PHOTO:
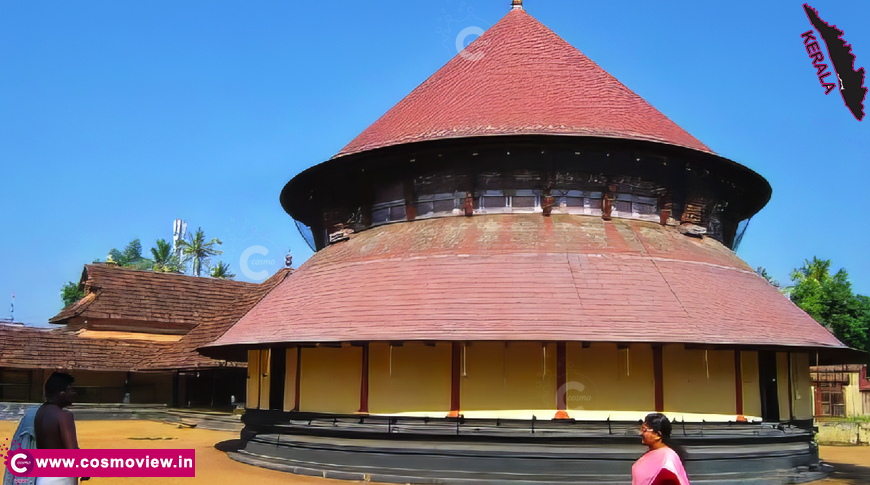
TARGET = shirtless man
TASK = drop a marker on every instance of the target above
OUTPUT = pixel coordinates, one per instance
(54, 426)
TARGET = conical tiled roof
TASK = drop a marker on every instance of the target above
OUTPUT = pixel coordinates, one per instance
(520, 78)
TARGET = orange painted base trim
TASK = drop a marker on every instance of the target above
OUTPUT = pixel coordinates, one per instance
(561, 415)
(453, 414)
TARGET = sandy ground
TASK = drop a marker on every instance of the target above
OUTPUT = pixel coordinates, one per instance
(851, 464)
(212, 466)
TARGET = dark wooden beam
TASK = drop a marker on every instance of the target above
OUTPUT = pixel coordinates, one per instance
(468, 204)
(561, 380)
(408, 188)
(790, 392)
(298, 377)
(658, 372)
(666, 206)
(738, 383)
(455, 380)
(607, 202)
(364, 381)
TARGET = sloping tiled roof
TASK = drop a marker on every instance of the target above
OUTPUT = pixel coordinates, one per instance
(75, 309)
(520, 78)
(145, 296)
(211, 303)
(38, 348)
(183, 354)
(518, 277)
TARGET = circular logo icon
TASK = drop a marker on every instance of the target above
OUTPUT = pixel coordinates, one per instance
(20, 463)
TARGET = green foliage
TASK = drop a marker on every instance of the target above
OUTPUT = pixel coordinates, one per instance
(763, 273)
(70, 293)
(162, 252)
(133, 251)
(131, 257)
(197, 251)
(164, 260)
(829, 300)
(222, 270)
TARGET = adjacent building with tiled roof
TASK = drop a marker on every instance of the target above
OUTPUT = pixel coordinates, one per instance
(133, 337)
(130, 300)
(182, 355)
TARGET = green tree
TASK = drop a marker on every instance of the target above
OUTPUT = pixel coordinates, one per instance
(131, 257)
(71, 293)
(222, 270)
(197, 251)
(763, 273)
(164, 259)
(862, 303)
(828, 298)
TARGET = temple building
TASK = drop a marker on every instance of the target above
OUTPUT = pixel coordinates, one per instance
(132, 339)
(514, 265)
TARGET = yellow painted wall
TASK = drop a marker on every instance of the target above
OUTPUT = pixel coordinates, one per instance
(782, 385)
(252, 400)
(331, 379)
(419, 382)
(501, 377)
(751, 386)
(605, 378)
(852, 396)
(688, 388)
(802, 393)
(290, 380)
(265, 377)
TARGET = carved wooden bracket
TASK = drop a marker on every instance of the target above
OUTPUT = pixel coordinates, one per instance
(607, 202)
(469, 204)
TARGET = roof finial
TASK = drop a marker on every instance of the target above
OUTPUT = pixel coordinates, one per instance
(517, 5)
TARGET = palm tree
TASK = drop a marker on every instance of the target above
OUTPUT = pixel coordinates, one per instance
(222, 270)
(164, 259)
(162, 252)
(197, 251)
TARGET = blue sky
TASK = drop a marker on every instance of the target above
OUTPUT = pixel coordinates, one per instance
(118, 117)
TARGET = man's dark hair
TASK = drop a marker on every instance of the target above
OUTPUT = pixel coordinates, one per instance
(57, 383)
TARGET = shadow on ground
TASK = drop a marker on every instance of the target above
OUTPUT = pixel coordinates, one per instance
(230, 445)
(848, 473)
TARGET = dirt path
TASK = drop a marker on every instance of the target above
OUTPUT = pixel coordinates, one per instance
(851, 464)
(212, 466)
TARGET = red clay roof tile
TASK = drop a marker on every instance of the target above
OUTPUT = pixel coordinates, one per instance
(520, 78)
(61, 348)
(183, 354)
(145, 296)
(450, 279)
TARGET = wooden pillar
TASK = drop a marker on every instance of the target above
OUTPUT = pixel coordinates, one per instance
(265, 377)
(547, 202)
(665, 207)
(298, 377)
(468, 204)
(607, 202)
(252, 393)
(364, 381)
(408, 189)
(738, 384)
(561, 380)
(790, 392)
(658, 372)
(455, 382)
